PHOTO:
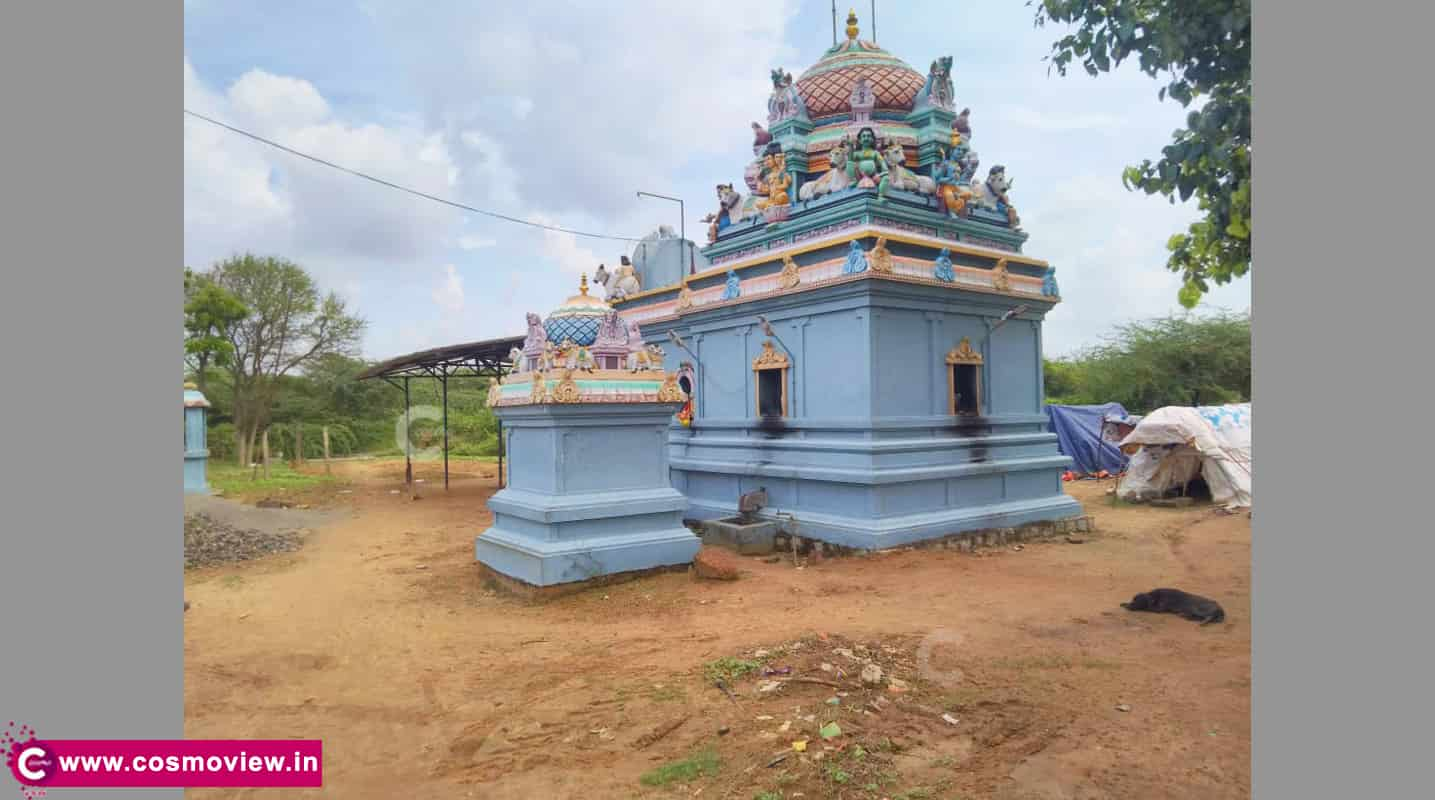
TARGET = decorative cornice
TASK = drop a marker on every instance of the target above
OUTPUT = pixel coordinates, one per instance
(770, 358)
(963, 353)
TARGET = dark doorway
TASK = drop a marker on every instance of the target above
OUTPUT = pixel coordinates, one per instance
(769, 392)
(966, 389)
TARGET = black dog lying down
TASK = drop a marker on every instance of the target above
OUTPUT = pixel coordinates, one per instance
(1175, 601)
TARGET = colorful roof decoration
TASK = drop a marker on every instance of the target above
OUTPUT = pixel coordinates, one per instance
(577, 319)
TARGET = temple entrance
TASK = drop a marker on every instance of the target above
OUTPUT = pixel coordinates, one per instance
(769, 392)
(966, 384)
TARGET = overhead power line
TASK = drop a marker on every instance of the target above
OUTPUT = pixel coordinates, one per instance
(415, 192)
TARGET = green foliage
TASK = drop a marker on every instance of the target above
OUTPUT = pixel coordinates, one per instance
(289, 326)
(1179, 360)
(1203, 47)
(209, 313)
(729, 669)
(701, 764)
(233, 480)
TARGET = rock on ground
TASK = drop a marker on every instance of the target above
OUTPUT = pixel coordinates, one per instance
(716, 564)
(208, 541)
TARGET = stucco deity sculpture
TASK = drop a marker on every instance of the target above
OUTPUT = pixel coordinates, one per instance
(620, 284)
(517, 359)
(942, 267)
(785, 102)
(835, 179)
(866, 167)
(954, 191)
(992, 193)
(880, 258)
(903, 178)
(733, 288)
(1048, 283)
(760, 139)
(778, 181)
(938, 91)
(856, 259)
(729, 203)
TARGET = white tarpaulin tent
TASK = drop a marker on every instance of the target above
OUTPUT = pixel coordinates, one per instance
(1171, 446)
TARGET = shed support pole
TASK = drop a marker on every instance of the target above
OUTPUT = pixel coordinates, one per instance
(408, 442)
(443, 381)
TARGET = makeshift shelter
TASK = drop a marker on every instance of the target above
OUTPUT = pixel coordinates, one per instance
(1078, 432)
(1174, 445)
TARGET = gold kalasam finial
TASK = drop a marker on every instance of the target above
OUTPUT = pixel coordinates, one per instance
(583, 284)
(852, 23)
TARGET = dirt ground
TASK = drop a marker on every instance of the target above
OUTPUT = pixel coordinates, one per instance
(378, 638)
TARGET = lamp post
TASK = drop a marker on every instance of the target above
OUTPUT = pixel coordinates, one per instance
(682, 226)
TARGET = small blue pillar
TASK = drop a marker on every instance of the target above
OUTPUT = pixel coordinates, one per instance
(196, 448)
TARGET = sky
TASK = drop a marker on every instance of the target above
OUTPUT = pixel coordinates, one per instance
(560, 115)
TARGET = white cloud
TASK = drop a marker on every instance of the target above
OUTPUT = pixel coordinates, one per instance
(448, 295)
(242, 195)
(563, 248)
(475, 242)
(1108, 247)
(1052, 121)
(617, 95)
(277, 101)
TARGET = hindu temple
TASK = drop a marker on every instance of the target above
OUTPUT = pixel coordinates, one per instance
(861, 337)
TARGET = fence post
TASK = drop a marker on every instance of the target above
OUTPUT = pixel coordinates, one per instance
(326, 451)
(266, 454)
(299, 443)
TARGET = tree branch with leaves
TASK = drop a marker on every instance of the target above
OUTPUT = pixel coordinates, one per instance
(1203, 50)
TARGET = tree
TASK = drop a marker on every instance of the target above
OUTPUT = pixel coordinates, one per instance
(209, 312)
(1181, 360)
(1204, 49)
(289, 325)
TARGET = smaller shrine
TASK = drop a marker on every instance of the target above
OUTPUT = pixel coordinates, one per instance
(196, 446)
(585, 416)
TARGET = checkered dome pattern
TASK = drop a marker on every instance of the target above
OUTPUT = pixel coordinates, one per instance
(581, 329)
(826, 88)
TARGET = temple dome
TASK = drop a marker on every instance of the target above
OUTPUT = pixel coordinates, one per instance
(577, 319)
(826, 87)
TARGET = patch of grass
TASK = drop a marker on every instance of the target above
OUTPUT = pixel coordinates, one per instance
(232, 581)
(837, 774)
(234, 480)
(767, 796)
(919, 793)
(1100, 663)
(703, 763)
(944, 762)
(729, 669)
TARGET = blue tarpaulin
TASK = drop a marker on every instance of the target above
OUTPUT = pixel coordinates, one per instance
(1078, 433)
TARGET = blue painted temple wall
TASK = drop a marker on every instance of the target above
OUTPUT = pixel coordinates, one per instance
(868, 454)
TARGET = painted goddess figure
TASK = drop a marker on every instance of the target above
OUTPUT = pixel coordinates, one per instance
(733, 288)
(942, 270)
(856, 260)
